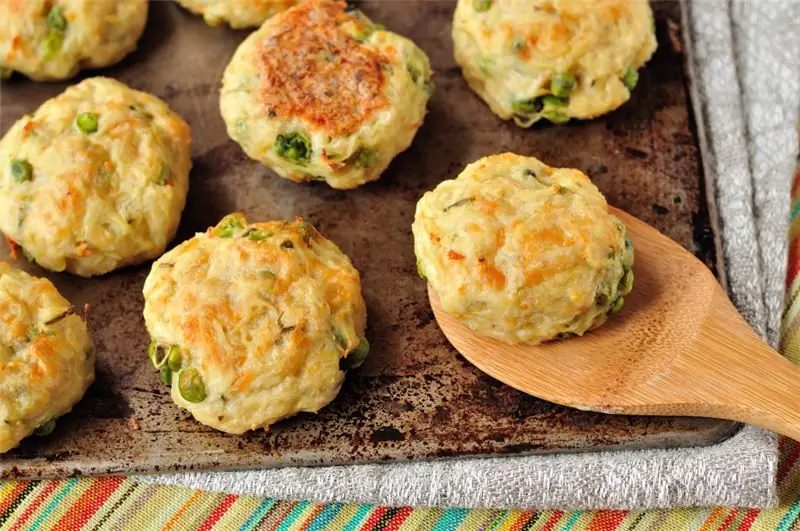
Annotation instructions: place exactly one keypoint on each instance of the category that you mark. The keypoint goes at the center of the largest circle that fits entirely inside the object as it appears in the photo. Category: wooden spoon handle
(725, 371)
(736, 376)
(765, 392)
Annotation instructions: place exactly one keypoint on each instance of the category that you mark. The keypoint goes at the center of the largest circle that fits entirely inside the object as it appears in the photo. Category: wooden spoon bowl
(678, 347)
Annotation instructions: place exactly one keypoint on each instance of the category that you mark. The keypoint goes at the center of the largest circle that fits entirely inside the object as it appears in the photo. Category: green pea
(258, 235)
(174, 359)
(151, 350)
(5, 72)
(562, 85)
(626, 283)
(617, 306)
(227, 227)
(51, 44)
(485, 65)
(481, 6)
(166, 375)
(21, 170)
(87, 122)
(191, 386)
(554, 101)
(553, 109)
(365, 157)
(56, 19)
(631, 78)
(414, 71)
(295, 147)
(340, 339)
(357, 356)
(163, 176)
(156, 354)
(527, 106)
(308, 231)
(627, 255)
(45, 428)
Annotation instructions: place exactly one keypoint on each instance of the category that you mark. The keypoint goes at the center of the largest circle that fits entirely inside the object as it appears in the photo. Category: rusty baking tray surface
(415, 398)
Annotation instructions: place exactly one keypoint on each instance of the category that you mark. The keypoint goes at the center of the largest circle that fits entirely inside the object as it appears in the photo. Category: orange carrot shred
(13, 248)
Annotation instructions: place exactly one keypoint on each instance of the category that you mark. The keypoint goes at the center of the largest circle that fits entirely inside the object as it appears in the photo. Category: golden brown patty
(95, 179)
(54, 39)
(237, 13)
(523, 252)
(552, 59)
(46, 356)
(319, 92)
(252, 323)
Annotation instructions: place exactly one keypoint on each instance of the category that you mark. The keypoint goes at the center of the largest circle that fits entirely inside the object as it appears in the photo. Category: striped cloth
(120, 503)
(790, 325)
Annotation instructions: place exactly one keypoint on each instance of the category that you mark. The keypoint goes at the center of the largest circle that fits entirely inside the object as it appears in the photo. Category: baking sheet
(414, 398)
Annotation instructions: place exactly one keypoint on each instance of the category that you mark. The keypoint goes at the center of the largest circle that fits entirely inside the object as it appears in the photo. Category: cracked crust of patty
(312, 68)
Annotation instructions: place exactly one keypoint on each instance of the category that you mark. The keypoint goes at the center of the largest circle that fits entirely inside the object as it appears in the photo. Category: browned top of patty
(313, 67)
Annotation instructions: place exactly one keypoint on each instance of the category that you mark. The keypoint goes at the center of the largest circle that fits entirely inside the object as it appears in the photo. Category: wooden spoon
(678, 347)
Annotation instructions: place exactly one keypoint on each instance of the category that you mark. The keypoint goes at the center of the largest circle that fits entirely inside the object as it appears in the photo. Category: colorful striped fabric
(790, 332)
(119, 503)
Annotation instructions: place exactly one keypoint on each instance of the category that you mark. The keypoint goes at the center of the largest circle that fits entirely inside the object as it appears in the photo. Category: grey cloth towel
(745, 65)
